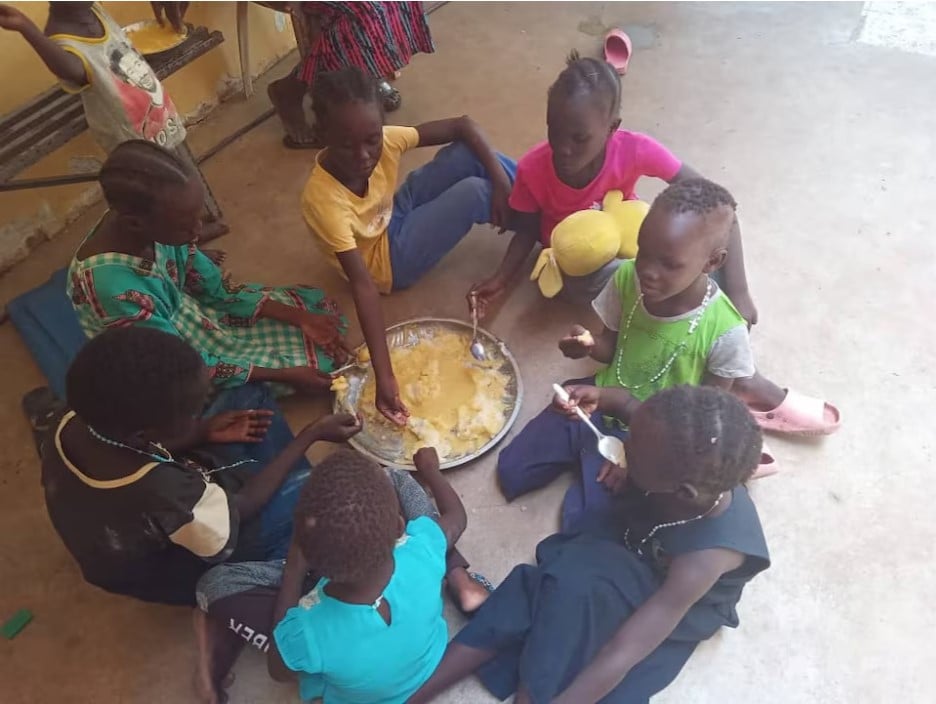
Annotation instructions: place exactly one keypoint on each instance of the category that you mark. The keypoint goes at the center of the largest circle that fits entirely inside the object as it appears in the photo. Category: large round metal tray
(385, 445)
(136, 26)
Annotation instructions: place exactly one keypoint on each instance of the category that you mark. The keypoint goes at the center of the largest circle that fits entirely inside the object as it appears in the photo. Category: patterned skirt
(377, 37)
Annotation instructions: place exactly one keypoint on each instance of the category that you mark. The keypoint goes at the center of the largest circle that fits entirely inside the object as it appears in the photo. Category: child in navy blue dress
(611, 614)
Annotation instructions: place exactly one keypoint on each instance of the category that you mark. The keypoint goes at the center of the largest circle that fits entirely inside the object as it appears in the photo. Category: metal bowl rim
(490, 444)
(134, 26)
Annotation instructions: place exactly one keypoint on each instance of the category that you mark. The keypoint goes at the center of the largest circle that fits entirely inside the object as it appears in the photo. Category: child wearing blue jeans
(382, 241)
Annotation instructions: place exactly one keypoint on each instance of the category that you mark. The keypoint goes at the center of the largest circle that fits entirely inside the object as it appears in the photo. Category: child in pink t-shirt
(586, 156)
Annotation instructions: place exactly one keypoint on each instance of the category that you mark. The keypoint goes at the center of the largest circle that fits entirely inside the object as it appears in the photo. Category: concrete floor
(827, 145)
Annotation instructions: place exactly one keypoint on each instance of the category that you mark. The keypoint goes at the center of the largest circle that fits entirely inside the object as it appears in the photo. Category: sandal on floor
(291, 142)
(480, 579)
(43, 409)
(801, 415)
(392, 100)
(617, 50)
(768, 464)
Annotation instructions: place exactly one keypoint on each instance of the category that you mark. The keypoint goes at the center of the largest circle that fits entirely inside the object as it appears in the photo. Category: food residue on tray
(456, 404)
(152, 39)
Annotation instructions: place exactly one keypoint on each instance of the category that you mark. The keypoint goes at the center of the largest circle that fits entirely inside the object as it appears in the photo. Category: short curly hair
(712, 440)
(695, 195)
(589, 76)
(347, 517)
(130, 379)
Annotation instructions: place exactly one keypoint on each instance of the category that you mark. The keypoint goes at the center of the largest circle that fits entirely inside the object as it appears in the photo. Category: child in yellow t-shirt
(384, 239)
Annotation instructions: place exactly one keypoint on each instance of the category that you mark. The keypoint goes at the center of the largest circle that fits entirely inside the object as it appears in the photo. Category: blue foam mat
(46, 320)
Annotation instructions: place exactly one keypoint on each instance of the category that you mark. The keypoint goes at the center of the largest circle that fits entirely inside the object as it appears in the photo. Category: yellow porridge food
(456, 404)
(339, 383)
(151, 38)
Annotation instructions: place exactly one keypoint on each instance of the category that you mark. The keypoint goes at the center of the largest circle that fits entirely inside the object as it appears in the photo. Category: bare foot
(217, 256)
(286, 94)
(207, 689)
(469, 593)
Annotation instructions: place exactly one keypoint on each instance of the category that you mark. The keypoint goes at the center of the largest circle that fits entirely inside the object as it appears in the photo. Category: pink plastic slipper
(800, 415)
(768, 464)
(617, 50)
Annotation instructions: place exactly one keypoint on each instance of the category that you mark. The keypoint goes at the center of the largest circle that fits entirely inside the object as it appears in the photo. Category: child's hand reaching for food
(426, 460)
(578, 344)
(338, 428)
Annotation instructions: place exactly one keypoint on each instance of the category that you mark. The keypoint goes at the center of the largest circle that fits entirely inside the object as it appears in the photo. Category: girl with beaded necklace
(666, 323)
(613, 613)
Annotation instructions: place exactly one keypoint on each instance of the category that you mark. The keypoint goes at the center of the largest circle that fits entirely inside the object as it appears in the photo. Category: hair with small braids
(343, 86)
(347, 517)
(130, 379)
(591, 77)
(711, 440)
(135, 174)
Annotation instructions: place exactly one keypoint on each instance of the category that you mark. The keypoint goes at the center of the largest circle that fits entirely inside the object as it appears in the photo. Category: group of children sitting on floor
(175, 479)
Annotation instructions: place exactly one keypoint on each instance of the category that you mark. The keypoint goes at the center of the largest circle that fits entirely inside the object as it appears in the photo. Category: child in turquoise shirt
(372, 631)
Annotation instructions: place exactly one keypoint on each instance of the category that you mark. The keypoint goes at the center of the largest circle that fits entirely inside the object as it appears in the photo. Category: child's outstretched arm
(370, 315)
(65, 65)
(452, 517)
(464, 129)
(736, 285)
(259, 489)
(290, 591)
(690, 576)
(527, 227)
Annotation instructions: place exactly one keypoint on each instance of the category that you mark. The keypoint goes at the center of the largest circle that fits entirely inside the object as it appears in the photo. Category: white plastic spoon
(609, 446)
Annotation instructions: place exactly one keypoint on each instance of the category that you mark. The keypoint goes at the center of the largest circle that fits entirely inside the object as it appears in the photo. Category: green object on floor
(16, 623)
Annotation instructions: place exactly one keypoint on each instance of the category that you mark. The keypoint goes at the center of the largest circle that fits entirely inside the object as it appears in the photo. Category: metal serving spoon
(476, 348)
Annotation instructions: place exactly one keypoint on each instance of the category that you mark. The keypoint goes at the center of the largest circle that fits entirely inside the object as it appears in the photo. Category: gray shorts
(232, 578)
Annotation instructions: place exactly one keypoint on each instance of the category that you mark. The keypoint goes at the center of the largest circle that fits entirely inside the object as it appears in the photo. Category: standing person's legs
(435, 208)
(548, 445)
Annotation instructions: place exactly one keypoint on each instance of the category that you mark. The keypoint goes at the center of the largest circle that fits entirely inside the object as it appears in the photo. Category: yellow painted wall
(28, 217)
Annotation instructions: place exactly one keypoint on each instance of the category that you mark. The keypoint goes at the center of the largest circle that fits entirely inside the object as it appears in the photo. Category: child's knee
(255, 396)
(456, 151)
(475, 196)
(251, 396)
(510, 471)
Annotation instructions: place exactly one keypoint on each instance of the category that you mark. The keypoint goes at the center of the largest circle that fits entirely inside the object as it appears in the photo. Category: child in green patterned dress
(141, 266)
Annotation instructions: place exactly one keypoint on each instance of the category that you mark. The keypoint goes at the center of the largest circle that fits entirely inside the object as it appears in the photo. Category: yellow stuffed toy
(586, 240)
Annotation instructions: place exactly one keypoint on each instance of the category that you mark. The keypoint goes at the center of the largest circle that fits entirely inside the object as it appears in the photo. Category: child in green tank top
(666, 323)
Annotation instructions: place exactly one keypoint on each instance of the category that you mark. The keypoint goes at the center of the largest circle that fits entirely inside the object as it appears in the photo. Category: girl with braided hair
(586, 156)
(141, 266)
(612, 613)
